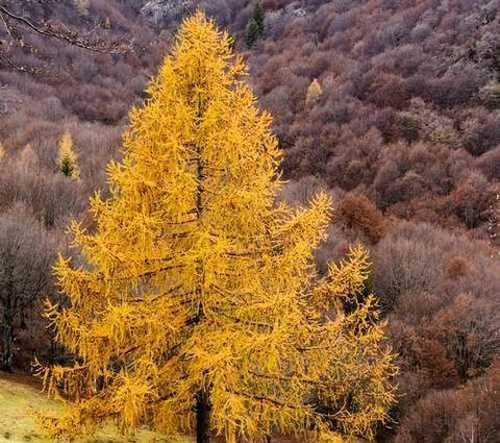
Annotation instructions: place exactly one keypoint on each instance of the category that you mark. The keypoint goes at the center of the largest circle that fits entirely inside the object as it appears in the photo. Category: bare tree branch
(16, 24)
(65, 35)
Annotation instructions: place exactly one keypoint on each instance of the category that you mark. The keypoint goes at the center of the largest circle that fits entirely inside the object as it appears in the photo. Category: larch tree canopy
(197, 307)
(68, 159)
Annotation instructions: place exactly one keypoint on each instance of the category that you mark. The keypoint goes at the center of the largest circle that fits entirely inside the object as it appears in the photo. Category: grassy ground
(20, 397)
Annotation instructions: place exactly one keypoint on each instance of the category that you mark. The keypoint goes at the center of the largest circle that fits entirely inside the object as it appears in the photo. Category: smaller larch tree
(314, 92)
(82, 7)
(68, 159)
(199, 307)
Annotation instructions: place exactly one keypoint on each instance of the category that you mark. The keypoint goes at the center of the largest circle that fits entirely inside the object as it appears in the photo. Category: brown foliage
(468, 414)
(472, 199)
(382, 67)
(358, 213)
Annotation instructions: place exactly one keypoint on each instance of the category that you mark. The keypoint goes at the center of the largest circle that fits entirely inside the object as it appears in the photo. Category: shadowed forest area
(390, 106)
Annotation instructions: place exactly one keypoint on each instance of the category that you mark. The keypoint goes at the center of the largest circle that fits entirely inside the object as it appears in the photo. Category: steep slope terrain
(391, 105)
(21, 399)
(407, 113)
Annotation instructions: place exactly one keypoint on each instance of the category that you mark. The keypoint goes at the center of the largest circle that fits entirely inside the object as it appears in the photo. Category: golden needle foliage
(314, 92)
(198, 286)
(68, 159)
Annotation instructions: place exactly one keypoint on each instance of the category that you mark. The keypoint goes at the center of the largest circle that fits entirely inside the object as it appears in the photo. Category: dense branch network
(17, 26)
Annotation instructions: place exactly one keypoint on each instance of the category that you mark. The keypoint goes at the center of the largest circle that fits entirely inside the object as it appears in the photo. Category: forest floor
(21, 398)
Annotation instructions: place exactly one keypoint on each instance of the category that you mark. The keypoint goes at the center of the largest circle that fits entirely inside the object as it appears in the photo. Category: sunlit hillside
(21, 399)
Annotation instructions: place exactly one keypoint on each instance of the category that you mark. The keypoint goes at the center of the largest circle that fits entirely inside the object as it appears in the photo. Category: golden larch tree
(314, 92)
(198, 307)
(68, 159)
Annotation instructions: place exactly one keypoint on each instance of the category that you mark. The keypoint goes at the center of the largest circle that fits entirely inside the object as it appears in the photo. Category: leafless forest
(402, 127)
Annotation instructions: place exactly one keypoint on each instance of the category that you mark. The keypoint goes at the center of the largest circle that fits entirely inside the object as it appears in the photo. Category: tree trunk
(202, 417)
(7, 342)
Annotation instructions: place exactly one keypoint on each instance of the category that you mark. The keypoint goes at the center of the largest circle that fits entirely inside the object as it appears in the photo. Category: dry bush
(27, 252)
(472, 199)
(358, 213)
(455, 416)
(303, 191)
(489, 164)
(405, 265)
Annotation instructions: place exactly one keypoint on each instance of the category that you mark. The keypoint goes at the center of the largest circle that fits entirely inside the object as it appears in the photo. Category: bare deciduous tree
(18, 26)
(26, 256)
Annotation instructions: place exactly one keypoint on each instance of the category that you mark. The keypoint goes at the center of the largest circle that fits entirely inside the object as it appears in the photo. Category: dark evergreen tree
(252, 33)
(255, 26)
(258, 16)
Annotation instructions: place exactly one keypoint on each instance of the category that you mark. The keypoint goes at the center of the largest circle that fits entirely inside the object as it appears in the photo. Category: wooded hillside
(391, 107)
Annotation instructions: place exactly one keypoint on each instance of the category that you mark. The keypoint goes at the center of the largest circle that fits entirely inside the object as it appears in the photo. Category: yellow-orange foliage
(314, 92)
(68, 159)
(199, 293)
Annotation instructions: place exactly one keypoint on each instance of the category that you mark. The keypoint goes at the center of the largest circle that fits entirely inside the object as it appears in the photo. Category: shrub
(468, 414)
(358, 213)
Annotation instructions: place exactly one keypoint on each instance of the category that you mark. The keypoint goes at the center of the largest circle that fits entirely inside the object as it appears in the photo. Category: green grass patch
(20, 398)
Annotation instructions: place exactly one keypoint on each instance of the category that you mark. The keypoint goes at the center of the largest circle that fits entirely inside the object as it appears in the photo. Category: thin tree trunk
(7, 341)
(202, 417)
(203, 405)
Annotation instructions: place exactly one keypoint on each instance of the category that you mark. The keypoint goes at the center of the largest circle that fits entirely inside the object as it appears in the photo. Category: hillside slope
(403, 131)
(20, 399)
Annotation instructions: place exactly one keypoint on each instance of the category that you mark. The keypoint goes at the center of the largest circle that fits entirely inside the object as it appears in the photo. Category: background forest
(390, 105)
